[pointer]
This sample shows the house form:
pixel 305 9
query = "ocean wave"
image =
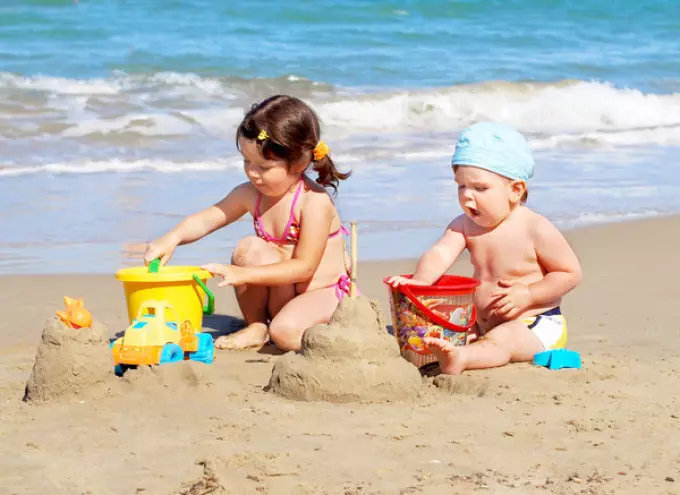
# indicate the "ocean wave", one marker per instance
pixel 121 82
pixel 114 165
pixel 98 167
pixel 569 112
pixel 562 114
pixel 590 218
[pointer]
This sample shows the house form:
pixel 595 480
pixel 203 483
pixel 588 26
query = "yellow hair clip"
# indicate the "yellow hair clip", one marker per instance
pixel 262 135
pixel 320 151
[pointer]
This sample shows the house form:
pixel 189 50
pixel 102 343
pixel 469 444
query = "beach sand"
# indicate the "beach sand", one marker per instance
pixel 611 427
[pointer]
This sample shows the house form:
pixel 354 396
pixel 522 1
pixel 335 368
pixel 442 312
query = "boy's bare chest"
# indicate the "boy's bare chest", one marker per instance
pixel 501 254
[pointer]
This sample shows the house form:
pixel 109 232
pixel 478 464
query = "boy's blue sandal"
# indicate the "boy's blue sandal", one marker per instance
pixel 558 359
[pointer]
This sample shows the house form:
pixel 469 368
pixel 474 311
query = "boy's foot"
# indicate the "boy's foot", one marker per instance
pixel 254 336
pixel 447 354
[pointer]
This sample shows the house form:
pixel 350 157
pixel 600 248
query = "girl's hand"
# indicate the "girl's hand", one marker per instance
pixel 231 274
pixel 398 280
pixel 159 249
pixel 512 299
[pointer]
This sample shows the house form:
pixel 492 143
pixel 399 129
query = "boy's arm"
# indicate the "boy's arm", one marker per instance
pixel 315 224
pixel 442 255
pixel 561 266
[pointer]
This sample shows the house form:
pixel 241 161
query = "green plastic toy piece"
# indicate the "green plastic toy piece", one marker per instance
pixel 155 265
pixel 210 307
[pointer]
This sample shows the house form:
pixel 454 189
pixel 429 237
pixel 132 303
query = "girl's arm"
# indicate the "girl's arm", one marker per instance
pixel 561 266
pixel 198 225
pixel 315 224
pixel 441 256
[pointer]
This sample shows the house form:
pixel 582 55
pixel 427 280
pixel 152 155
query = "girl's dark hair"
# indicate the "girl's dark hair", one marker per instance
pixel 293 131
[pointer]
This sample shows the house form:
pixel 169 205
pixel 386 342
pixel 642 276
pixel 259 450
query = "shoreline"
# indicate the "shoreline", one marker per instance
pixel 572 231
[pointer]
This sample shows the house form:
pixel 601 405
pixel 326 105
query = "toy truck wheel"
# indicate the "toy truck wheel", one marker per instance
pixel 206 349
pixel 171 353
pixel 120 369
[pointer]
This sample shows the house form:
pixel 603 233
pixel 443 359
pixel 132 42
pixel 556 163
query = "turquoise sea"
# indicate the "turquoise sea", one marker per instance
pixel 117 117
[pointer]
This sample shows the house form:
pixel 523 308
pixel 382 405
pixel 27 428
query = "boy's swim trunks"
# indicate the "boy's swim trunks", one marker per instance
pixel 550 328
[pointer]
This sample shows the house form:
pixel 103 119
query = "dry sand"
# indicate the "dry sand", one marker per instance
pixel 612 427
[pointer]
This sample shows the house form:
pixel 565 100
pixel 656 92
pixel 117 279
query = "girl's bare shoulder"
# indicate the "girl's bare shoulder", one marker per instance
pixel 244 194
pixel 316 194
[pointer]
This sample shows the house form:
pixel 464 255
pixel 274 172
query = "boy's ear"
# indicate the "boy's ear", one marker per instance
pixel 517 189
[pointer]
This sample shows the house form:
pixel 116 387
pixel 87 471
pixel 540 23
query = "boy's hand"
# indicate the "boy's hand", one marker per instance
pixel 512 298
pixel 231 274
pixel 398 280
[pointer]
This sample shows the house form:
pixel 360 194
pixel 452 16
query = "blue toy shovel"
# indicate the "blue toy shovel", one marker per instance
pixel 558 358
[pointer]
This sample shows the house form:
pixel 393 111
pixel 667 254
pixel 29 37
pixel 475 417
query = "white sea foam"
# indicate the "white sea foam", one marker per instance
pixel 96 167
pixel 569 113
pixel 566 114
pixel 141 124
pixel 587 219
pixel 118 83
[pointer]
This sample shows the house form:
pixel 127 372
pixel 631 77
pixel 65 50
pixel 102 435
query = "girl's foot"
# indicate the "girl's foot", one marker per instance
pixel 448 355
pixel 253 336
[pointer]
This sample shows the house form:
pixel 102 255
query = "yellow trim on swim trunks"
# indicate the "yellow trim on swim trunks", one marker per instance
pixel 545 330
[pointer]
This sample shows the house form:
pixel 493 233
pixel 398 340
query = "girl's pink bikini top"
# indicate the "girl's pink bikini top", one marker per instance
pixel 291 233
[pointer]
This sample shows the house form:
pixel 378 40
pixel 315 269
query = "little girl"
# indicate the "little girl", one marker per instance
pixel 292 273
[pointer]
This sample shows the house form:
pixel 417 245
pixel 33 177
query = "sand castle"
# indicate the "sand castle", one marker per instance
pixel 69 360
pixel 78 362
pixel 353 358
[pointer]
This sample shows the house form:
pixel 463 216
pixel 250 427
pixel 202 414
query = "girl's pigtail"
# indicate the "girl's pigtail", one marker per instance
pixel 329 175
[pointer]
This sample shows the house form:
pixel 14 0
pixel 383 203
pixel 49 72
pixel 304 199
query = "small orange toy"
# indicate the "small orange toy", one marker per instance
pixel 75 316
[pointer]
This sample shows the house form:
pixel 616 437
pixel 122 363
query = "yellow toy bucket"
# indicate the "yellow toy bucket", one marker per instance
pixel 183 287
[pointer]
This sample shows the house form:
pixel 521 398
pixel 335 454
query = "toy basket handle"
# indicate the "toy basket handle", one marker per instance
pixel 435 317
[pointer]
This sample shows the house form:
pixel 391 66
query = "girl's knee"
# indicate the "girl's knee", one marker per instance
pixel 253 251
pixel 285 334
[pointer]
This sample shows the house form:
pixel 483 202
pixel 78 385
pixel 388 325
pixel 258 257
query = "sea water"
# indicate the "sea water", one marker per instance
pixel 117 118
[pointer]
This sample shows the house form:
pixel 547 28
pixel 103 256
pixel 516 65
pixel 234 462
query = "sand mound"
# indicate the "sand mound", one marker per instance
pixel 182 374
pixel 69 361
pixel 78 362
pixel 353 358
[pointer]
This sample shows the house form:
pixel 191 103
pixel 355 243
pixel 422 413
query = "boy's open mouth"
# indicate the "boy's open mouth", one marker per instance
pixel 473 212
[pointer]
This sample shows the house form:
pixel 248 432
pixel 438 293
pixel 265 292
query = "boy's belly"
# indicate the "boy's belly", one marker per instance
pixel 484 299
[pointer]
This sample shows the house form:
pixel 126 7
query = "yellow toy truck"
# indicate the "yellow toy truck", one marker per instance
pixel 155 337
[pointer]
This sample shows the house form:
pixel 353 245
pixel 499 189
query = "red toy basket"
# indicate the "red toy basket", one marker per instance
pixel 443 310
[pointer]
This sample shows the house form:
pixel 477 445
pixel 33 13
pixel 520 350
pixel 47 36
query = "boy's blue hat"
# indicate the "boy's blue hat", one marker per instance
pixel 495 147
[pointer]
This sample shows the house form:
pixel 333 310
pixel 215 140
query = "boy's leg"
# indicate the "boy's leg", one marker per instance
pixel 302 312
pixel 473 334
pixel 255 301
pixel 511 341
